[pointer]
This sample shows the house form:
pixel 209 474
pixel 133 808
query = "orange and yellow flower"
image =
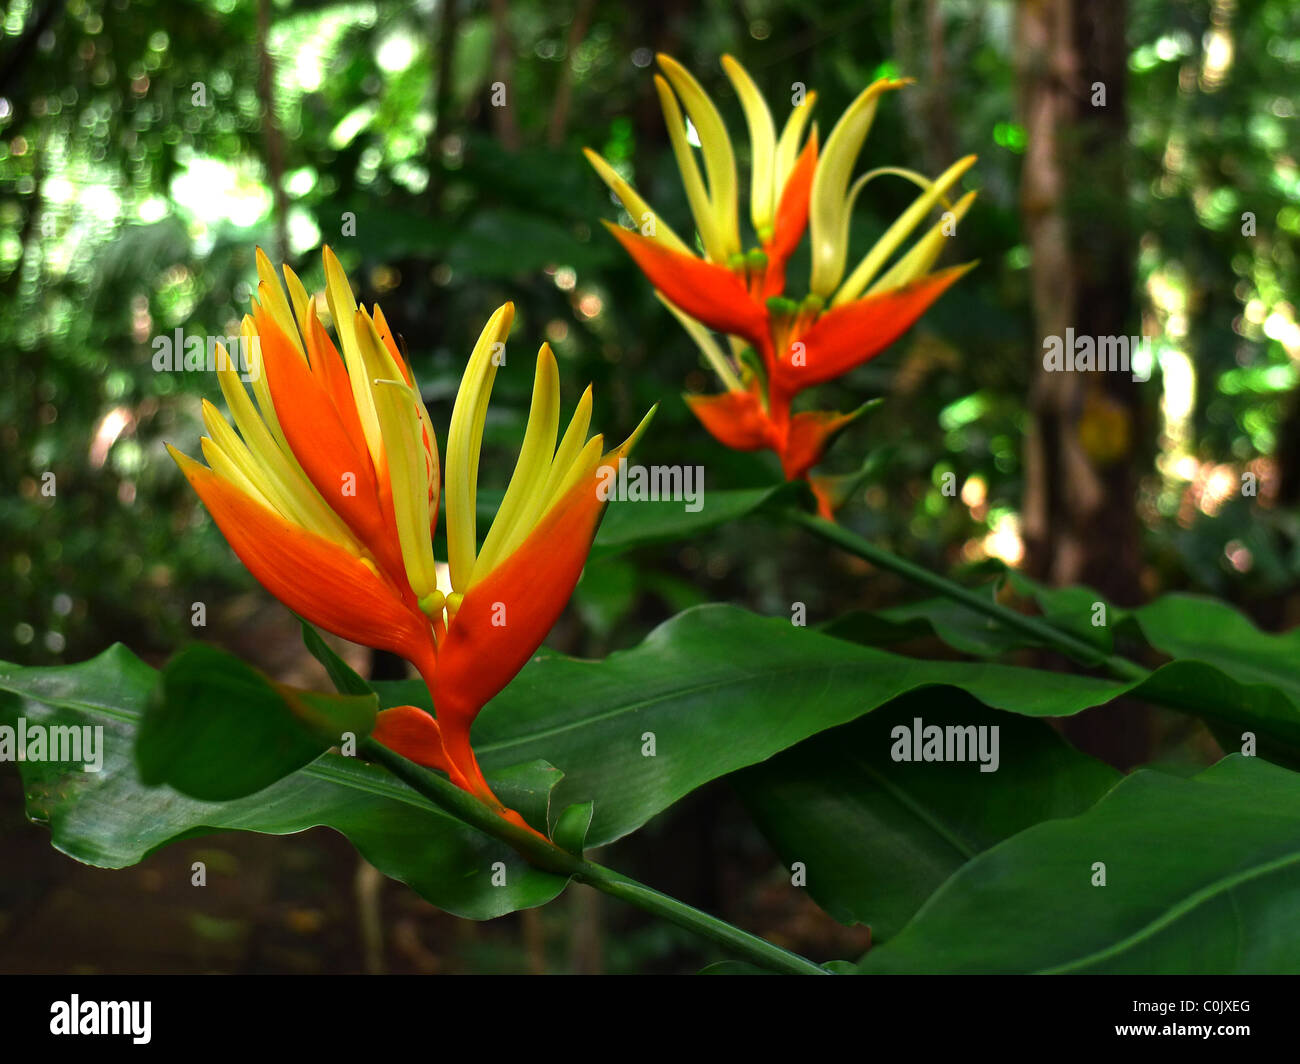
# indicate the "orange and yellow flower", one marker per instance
pixel 327 487
pixel 780 346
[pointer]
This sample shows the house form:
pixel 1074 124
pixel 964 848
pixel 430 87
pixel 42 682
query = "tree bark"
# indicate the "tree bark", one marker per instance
pixel 1080 513
pixel 1087 433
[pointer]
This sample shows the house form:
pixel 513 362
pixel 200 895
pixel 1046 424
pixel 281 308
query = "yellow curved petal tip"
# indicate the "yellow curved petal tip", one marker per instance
pixel 627 445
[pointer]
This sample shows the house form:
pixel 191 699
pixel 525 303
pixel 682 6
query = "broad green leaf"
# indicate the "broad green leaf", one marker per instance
pixel 714 690
pixel 1081 611
pixel 636 524
pixel 110 819
pixel 876 836
pixel 958 626
pixel 1204 629
pixel 719 689
pixel 1202 876
pixel 217 729
pixel 1225 670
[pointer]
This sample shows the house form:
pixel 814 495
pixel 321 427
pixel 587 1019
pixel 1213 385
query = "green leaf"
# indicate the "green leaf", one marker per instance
pixel 1204 629
pixel 526 788
pixel 217 729
pixel 111 820
pixel 637 524
pixel 346 680
pixel 877 836
pixel 719 689
pixel 571 827
pixel 958 626
pixel 714 690
pixel 1202 876
pixel 1225 670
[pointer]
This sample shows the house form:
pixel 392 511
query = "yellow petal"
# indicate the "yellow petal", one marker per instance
pixel 271 294
pixel 707 344
pixel 298 298
pixel 762 141
pixel 225 467
pixel 898 232
pixel 258 379
pixel 583 466
pixel 276 477
pixel 521 505
pixel 464 439
pixel 397 408
pixel 787 148
pixel 636 434
pixel 343 308
pixel 715 144
pixel 701 205
pixel 635 205
pixel 926 250
pixel 828 207
pixel 575 436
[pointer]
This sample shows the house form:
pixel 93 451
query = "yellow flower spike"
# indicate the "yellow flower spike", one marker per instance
pixel 408 468
pixel 635 206
pixel 464 439
pixel 708 346
pixel 581 468
pixel 925 252
pixel 343 307
pixel 762 138
pixel 257 378
pixel 226 468
pixel 271 294
pixel 898 232
pixel 715 145
pixel 702 208
pixel 384 333
pixel 575 436
pixel 381 324
pixel 276 470
pixel 299 299
pixel 789 143
pixel 271 474
pixel 828 207
pixel 523 499
pixel 635 435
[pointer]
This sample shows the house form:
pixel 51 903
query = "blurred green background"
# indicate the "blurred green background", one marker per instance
pixel 147 148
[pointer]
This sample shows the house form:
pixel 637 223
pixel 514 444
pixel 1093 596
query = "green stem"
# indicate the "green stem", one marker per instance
pixel 550 858
pixel 1068 644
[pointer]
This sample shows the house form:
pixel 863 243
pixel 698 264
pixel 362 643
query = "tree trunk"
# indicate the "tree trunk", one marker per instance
pixel 1080 516
pixel 1087 434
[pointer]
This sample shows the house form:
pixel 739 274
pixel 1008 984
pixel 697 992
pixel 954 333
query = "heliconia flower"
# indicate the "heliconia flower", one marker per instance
pixel 781 346
pixel 327 487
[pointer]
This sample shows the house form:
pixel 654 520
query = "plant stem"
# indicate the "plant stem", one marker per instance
pixel 550 858
pixel 1045 632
